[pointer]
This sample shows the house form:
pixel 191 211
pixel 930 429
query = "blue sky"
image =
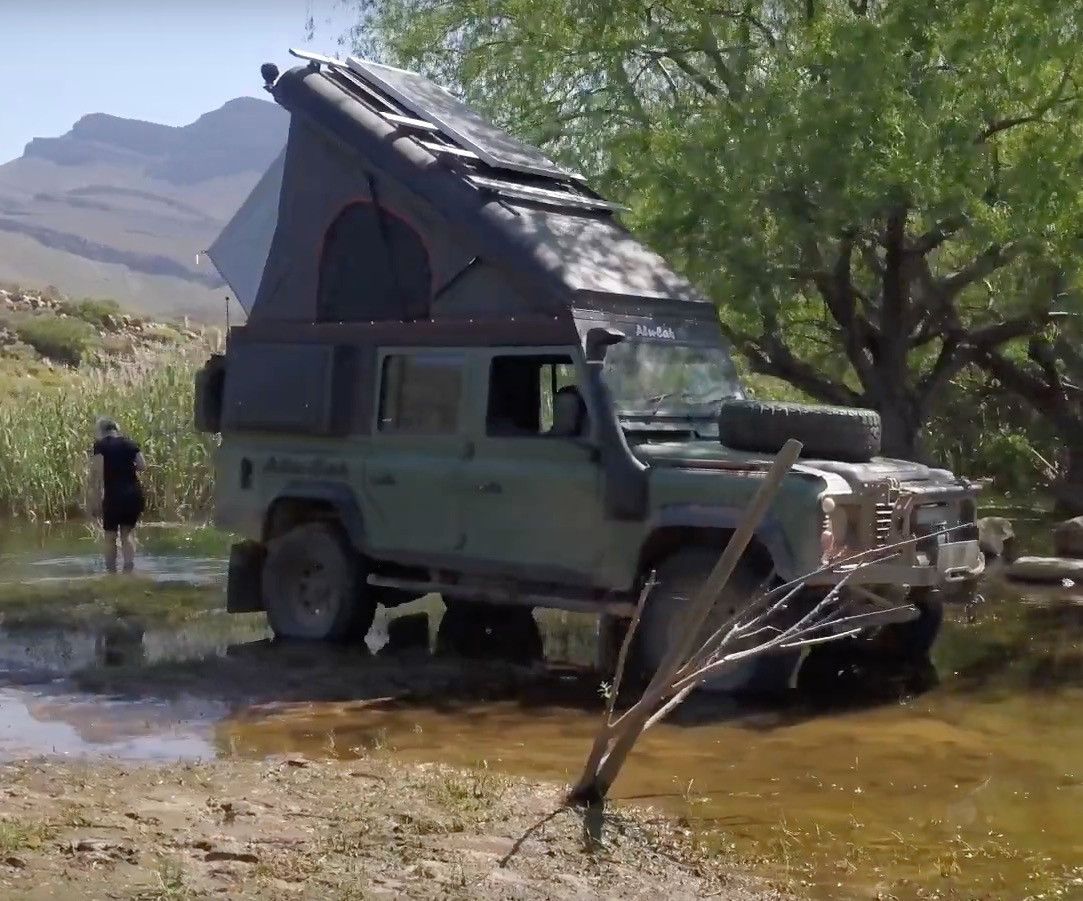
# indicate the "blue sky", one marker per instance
pixel 164 61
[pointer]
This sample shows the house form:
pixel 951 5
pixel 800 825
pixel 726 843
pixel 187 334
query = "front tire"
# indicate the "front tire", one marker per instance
pixel 912 642
pixel 667 607
pixel 313 586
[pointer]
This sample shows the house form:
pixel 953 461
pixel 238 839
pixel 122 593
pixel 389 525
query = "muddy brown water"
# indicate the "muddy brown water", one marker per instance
pixel 965 784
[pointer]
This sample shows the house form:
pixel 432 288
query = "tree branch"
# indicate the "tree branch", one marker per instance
pixel 1030 388
pixel 991 336
pixel 1038 113
pixel 768 354
pixel 982 266
pixel 680 59
pixel 949 362
pixel 937 235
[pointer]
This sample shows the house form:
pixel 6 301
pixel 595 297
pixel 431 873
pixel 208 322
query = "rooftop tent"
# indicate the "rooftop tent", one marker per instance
pixel 395 201
pixel 240 251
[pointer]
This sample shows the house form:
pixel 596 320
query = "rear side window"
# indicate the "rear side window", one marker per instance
pixel 419 393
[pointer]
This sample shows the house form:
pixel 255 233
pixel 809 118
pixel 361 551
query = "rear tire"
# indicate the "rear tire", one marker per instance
pixel 679 578
pixel 313 589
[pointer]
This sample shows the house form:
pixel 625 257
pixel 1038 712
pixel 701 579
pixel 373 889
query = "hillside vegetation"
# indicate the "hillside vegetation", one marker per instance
pixel 63 362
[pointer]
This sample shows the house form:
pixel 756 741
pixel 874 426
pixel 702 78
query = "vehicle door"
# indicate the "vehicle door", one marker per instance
pixel 417 453
pixel 533 497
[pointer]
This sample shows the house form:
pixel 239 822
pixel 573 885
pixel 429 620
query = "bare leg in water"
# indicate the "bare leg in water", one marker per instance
pixel 111 552
pixel 127 549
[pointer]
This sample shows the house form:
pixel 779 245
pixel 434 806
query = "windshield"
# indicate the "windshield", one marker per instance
pixel 652 379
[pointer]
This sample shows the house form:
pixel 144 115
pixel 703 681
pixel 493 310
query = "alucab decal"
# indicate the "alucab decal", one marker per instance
pixel 657 332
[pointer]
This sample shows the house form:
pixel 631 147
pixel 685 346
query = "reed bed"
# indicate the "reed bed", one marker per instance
pixel 46 434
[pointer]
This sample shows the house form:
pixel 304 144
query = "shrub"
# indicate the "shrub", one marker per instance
pixel 102 313
pixel 60 340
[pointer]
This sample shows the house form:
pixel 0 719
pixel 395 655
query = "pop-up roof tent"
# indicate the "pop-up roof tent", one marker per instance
pixel 395 202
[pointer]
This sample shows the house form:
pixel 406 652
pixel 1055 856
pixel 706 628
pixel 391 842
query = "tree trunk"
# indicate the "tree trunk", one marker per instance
pixel 901 430
pixel 1068 492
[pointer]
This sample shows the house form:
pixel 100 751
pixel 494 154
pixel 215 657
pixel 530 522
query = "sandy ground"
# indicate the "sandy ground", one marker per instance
pixel 302 829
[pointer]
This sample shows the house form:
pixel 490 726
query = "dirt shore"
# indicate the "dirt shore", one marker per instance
pixel 300 829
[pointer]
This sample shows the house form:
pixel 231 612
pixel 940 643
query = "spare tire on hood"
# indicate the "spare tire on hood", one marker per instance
pixel 832 433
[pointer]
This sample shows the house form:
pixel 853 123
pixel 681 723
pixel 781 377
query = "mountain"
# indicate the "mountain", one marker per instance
pixel 120 208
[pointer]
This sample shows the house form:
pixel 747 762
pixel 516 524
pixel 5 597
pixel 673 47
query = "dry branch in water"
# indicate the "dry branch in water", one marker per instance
pixel 750 632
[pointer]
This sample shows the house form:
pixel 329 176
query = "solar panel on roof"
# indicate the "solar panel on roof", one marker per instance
pixel 458 121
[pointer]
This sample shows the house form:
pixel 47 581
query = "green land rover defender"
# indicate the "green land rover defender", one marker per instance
pixel 460 375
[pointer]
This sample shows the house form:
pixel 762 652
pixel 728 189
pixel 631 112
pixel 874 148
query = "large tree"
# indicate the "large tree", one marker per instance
pixel 1047 373
pixel 874 193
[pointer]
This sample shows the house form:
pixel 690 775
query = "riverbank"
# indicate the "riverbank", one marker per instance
pixel 298 828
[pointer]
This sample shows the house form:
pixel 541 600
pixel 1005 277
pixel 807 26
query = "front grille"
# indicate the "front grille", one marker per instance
pixel 882 524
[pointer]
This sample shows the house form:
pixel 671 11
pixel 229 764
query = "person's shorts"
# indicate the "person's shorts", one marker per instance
pixel 121 512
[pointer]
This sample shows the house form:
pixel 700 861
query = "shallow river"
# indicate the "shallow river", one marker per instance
pixel 970 786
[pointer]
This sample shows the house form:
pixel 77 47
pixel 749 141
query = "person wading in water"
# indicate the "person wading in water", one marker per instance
pixel 113 491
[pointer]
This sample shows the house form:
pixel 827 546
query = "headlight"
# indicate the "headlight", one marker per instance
pixel 835 533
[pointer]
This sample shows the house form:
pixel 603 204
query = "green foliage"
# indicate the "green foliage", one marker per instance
pixel 102 313
pixel 46 434
pixel 63 341
pixel 872 192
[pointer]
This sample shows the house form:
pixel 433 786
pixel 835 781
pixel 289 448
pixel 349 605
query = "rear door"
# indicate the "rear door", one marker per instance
pixel 532 500
pixel 418 452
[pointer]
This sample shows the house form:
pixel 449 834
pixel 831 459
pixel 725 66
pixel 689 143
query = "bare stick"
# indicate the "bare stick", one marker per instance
pixel 602 739
pixel 624 733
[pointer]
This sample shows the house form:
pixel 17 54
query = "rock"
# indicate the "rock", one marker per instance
pixel 232 853
pixel 16 863
pixel 101 850
pixel 1045 569
pixel 996 537
pixel 1068 538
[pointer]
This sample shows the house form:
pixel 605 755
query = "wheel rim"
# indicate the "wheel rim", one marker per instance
pixel 314 600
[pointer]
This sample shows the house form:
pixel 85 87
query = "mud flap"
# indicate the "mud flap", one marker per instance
pixel 244 584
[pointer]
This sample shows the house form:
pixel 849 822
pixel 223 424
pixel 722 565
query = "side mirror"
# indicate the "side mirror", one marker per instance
pixel 599 340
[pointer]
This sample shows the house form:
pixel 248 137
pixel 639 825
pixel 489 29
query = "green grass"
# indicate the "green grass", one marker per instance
pixel 113 600
pixel 46 432
pixel 65 341
pixel 19 836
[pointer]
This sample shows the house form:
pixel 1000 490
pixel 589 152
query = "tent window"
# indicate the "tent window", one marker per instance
pixel 373 266
pixel 419 393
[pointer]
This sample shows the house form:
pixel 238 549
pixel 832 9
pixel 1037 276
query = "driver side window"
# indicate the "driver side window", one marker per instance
pixel 535 396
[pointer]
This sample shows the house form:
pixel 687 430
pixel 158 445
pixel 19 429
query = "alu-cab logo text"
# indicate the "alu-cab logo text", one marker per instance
pixel 655 331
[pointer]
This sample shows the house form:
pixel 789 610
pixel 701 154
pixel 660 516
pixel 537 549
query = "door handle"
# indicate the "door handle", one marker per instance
pixel 383 479
pixel 490 488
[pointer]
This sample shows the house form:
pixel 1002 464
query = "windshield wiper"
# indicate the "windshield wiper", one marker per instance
pixel 688 396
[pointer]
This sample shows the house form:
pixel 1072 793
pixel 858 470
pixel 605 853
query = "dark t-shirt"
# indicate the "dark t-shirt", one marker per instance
pixel 118 455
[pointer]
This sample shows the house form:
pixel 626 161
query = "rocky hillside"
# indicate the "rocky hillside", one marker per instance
pixel 45 336
pixel 121 208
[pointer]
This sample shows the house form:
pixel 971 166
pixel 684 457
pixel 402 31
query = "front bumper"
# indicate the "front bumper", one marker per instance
pixel 953 562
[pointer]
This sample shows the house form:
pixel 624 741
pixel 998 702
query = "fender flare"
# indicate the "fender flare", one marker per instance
pixel 337 495
pixel 700 516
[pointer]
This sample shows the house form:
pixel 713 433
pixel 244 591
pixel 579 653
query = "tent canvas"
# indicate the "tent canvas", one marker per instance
pixel 240 252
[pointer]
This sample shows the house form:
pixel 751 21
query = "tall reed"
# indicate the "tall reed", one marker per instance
pixel 46 434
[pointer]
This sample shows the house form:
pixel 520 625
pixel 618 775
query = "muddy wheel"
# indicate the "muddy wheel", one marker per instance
pixel 313 588
pixel 664 614
pixel 489 632
pixel 912 642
